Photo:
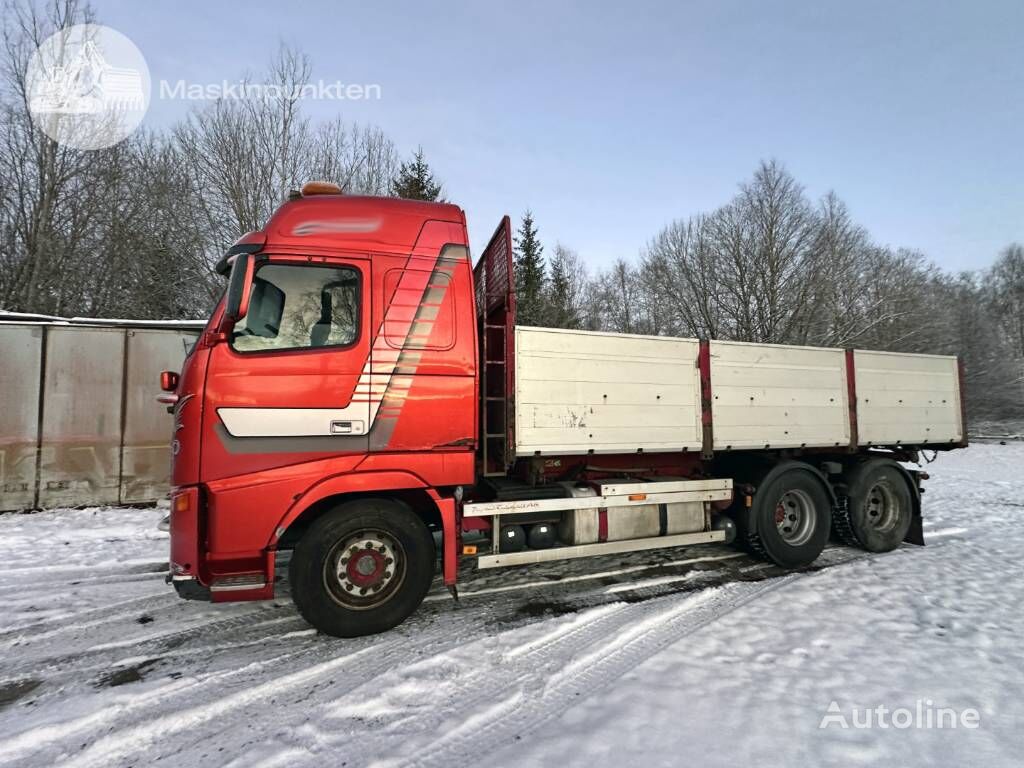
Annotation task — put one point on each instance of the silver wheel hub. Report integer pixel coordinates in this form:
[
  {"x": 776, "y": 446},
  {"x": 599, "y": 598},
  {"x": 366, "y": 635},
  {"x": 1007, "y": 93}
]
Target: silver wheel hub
[
  {"x": 881, "y": 507},
  {"x": 795, "y": 517}
]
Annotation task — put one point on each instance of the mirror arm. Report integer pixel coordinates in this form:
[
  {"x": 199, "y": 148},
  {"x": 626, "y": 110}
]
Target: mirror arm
[{"x": 220, "y": 336}]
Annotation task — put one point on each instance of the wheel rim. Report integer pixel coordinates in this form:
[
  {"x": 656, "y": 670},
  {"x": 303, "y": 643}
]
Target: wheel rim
[
  {"x": 365, "y": 569},
  {"x": 881, "y": 508},
  {"x": 795, "y": 517}
]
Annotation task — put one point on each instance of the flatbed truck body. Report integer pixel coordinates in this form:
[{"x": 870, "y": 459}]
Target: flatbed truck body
[{"x": 362, "y": 394}]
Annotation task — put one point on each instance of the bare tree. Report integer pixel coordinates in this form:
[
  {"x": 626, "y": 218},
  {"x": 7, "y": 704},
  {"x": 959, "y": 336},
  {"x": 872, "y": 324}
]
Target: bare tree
[
  {"x": 681, "y": 269},
  {"x": 244, "y": 156},
  {"x": 769, "y": 266},
  {"x": 1005, "y": 283},
  {"x": 750, "y": 270},
  {"x": 361, "y": 159},
  {"x": 778, "y": 258},
  {"x": 617, "y": 295},
  {"x": 43, "y": 208}
]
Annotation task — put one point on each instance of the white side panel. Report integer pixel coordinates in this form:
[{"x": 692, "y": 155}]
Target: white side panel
[
  {"x": 294, "y": 422},
  {"x": 579, "y": 391},
  {"x": 766, "y": 395},
  {"x": 907, "y": 399}
]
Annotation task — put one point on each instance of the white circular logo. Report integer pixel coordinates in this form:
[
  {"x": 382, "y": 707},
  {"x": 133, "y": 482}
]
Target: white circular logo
[{"x": 88, "y": 86}]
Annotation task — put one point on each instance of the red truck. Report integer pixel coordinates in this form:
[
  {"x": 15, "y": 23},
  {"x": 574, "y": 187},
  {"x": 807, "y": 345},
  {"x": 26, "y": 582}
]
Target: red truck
[{"x": 362, "y": 392}]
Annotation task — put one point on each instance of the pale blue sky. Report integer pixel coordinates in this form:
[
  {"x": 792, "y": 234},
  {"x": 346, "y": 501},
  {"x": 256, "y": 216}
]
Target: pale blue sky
[{"x": 611, "y": 119}]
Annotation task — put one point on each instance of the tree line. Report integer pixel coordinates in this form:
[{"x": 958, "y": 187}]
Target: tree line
[{"x": 133, "y": 231}]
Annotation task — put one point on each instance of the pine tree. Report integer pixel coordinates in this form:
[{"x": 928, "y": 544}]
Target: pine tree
[
  {"x": 563, "y": 289},
  {"x": 415, "y": 181},
  {"x": 530, "y": 278}
]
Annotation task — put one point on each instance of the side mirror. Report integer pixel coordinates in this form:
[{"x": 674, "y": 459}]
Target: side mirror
[{"x": 236, "y": 304}]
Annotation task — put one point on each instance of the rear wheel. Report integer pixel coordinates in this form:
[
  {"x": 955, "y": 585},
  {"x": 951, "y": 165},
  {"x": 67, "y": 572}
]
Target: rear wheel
[
  {"x": 362, "y": 568},
  {"x": 879, "y": 506},
  {"x": 789, "y": 519}
]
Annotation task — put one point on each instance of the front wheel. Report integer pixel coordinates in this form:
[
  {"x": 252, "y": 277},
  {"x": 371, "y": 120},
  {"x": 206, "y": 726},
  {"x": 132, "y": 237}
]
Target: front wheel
[{"x": 362, "y": 568}]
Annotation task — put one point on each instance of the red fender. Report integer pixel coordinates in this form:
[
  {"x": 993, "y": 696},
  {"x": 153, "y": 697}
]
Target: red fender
[
  {"x": 379, "y": 483},
  {"x": 450, "y": 541}
]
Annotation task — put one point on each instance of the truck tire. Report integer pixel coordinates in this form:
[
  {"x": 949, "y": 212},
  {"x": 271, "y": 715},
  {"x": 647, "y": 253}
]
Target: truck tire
[
  {"x": 789, "y": 520},
  {"x": 879, "y": 507},
  {"x": 362, "y": 568}
]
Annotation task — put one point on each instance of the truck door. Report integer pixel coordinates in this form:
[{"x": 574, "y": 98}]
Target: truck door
[{"x": 292, "y": 383}]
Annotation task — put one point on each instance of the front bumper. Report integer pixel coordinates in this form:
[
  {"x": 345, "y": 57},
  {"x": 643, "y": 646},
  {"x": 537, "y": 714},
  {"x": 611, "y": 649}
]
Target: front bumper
[{"x": 189, "y": 589}]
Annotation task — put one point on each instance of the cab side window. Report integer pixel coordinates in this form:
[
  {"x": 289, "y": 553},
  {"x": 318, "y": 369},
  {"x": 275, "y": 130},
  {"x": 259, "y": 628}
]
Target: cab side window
[{"x": 298, "y": 306}]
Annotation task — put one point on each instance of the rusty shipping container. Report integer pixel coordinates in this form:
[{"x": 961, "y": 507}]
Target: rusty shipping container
[{"x": 79, "y": 424}]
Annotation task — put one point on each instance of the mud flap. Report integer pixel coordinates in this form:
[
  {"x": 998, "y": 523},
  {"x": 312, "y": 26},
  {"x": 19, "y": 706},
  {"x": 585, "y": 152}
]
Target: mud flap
[{"x": 915, "y": 534}]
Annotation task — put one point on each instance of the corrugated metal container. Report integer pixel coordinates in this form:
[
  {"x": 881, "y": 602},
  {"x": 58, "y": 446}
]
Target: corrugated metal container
[
  {"x": 146, "y": 454},
  {"x": 21, "y": 352},
  {"x": 82, "y": 379},
  {"x": 91, "y": 389}
]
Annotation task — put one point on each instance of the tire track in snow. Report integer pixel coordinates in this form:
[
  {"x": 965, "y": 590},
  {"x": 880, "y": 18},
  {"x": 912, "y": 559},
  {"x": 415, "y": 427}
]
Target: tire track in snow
[
  {"x": 43, "y": 589},
  {"x": 83, "y": 575},
  {"x": 594, "y": 623},
  {"x": 150, "y": 644},
  {"x": 172, "y": 707},
  {"x": 379, "y": 659},
  {"x": 108, "y": 613},
  {"x": 642, "y": 629},
  {"x": 587, "y": 674},
  {"x": 40, "y": 737},
  {"x": 483, "y": 674},
  {"x": 520, "y": 686},
  {"x": 151, "y": 716},
  {"x": 572, "y": 579},
  {"x": 369, "y": 662},
  {"x": 62, "y": 675}
]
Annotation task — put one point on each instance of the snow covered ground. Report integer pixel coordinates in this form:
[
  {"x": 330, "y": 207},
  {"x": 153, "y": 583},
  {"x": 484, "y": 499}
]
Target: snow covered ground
[{"x": 701, "y": 656}]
